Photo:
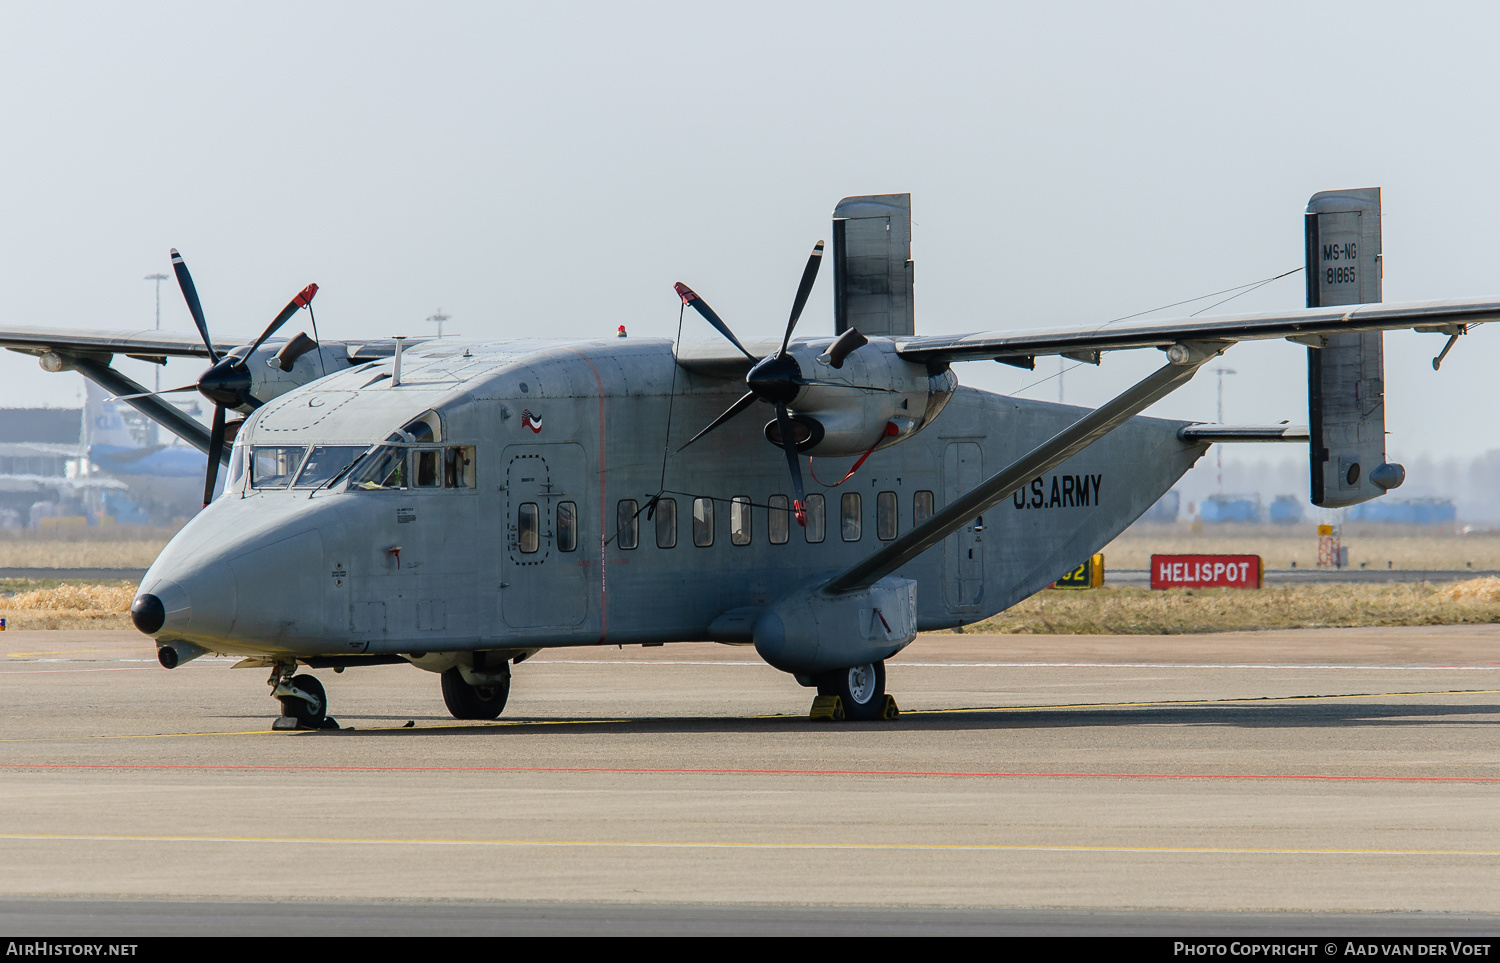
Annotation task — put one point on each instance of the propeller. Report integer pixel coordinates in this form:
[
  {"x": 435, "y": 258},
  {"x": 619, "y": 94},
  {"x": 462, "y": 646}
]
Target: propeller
[
  {"x": 227, "y": 383},
  {"x": 775, "y": 379}
]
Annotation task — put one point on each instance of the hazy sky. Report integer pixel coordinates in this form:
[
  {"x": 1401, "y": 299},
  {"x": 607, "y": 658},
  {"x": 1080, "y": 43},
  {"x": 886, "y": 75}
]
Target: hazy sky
[{"x": 537, "y": 170}]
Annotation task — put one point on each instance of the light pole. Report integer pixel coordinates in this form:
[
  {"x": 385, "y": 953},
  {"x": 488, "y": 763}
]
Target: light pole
[
  {"x": 1221, "y": 371},
  {"x": 158, "y": 278},
  {"x": 439, "y": 318}
]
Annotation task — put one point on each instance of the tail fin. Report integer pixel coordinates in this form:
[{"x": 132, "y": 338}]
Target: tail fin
[
  {"x": 1345, "y": 376},
  {"x": 104, "y": 421},
  {"x": 872, "y": 268}
]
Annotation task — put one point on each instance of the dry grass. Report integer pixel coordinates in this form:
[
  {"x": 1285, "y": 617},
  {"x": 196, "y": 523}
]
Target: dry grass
[
  {"x": 1375, "y": 546},
  {"x": 66, "y": 605},
  {"x": 1140, "y": 611},
  {"x": 111, "y": 547}
]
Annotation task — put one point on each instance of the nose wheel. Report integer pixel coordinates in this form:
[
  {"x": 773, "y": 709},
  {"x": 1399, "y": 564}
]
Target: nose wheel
[{"x": 304, "y": 705}]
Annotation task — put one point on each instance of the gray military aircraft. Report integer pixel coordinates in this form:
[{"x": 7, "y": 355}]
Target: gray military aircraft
[{"x": 461, "y": 505}]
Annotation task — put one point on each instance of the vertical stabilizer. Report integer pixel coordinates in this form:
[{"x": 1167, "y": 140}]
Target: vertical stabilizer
[
  {"x": 872, "y": 270},
  {"x": 103, "y": 420},
  {"x": 1346, "y": 376}
]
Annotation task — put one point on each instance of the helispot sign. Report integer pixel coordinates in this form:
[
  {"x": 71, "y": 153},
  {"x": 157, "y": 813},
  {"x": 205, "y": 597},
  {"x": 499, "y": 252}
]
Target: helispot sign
[{"x": 1206, "y": 571}]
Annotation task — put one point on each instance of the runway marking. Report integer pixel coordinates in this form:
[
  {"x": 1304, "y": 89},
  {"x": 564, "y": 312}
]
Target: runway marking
[
  {"x": 135, "y": 668},
  {"x": 684, "y": 771},
  {"x": 742, "y": 845}
]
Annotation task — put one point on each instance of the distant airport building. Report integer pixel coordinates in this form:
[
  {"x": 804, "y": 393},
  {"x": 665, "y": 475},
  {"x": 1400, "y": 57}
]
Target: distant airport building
[
  {"x": 1410, "y": 511},
  {"x": 1286, "y": 510},
  {"x": 1218, "y": 509}
]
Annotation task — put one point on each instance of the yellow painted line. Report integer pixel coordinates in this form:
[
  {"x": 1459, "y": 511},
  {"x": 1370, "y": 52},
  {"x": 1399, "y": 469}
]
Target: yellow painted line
[
  {"x": 307, "y": 732},
  {"x": 1243, "y": 700},
  {"x": 745, "y": 845}
]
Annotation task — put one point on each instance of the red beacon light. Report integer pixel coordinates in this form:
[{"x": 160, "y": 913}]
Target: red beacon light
[{"x": 621, "y": 332}]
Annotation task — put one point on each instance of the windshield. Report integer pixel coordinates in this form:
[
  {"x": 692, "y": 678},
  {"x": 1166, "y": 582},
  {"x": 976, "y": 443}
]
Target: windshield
[
  {"x": 325, "y": 462},
  {"x": 383, "y": 467},
  {"x": 273, "y": 467}
]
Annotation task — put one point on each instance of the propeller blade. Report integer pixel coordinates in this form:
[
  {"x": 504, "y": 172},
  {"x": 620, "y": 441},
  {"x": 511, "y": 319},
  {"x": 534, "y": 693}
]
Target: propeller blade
[
  {"x": 804, "y": 288},
  {"x": 745, "y": 401},
  {"x": 215, "y": 451},
  {"x": 848, "y": 342},
  {"x": 148, "y": 394},
  {"x": 292, "y": 307},
  {"x": 190, "y": 294},
  {"x": 689, "y": 296},
  {"x": 789, "y": 445}
]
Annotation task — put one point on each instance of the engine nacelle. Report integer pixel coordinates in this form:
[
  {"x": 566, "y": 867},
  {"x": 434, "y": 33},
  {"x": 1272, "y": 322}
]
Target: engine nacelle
[
  {"x": 301, "y": 354},
  {"x": 874, "y": 389}
]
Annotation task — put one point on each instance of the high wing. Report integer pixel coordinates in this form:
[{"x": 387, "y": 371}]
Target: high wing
[
  {"x": 146, "y": 345},
  {"x": 1303, "y": 325}
]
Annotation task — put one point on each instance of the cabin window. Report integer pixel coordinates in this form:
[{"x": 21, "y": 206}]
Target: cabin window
[
  {"x": 273, "y": 467},
  {"x": 567, "y": 526},
  {"x": 817, "y": 518},
  {"x": 849, "y": 517},
  {"x": 666, "y": 523},
  {"x": 921, "y": 507},
  {"x": 383, "y": 467},
  {"x": 528, "y": 528},
  {"x": 703, "y": 522},
  {"x": 739, "y": 520},
  {"x": 458, "y": 467},
  {"x": 779, "y": 520},
  {"x": 886, "y": 521},
  {"x": 326, "y": 462},
  {"x": 425, "y": 465},
  {"x": 627, "y": 523}
]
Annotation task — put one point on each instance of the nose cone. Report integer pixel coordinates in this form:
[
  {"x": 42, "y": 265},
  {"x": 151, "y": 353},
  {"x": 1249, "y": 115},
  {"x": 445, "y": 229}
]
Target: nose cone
[
  {"x": 148, "y": 614},
  {"x": 226, "y": 382}
]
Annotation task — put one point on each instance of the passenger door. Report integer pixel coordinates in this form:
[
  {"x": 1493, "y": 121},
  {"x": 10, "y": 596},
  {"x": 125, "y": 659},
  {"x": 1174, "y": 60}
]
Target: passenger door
[{"x": 545, "y": 566}]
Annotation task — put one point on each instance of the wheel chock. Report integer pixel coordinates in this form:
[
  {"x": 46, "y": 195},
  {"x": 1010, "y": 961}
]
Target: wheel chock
[
  {"x": 889, "y": 709},
  {"x": 827, "y": 708},
  {"x": 285, "y": 723}
]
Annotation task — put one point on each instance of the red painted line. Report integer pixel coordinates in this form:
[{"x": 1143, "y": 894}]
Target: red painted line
[{"x": 641, "y": 770}]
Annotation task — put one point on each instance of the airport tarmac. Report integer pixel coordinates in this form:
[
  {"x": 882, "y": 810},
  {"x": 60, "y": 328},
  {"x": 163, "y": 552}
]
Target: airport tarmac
[{"x": 1219, "y": 778}]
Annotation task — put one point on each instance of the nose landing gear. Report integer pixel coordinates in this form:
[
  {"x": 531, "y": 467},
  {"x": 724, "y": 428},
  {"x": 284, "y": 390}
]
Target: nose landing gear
[{"x": 303, "y": 702}]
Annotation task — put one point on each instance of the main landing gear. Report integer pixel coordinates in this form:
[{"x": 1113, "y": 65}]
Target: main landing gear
[
  {"x": 304, "y": 705},
  {"x": 478, "y": 692},
  {"x": 856, "y": 693}
]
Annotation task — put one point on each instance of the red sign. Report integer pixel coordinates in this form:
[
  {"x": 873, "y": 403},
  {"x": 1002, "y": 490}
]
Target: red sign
[{"x": 1205, "y": 571}]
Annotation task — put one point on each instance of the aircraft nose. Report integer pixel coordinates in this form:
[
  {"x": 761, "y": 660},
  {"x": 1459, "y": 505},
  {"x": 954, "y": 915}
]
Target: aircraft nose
[{"x": 148, "y": 614}]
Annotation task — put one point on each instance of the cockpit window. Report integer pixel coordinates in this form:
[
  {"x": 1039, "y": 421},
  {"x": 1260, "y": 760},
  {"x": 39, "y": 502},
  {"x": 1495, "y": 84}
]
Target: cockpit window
[
  {"x": 325, "y": 462},
  {"x": 274, "y": 466},
  {"x": 383, "y": 467}
]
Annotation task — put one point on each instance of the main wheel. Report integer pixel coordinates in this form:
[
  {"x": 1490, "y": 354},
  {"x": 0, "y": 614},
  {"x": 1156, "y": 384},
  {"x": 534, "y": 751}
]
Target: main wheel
[
  {"x": 473, "y": 701},
  {"x": 309, "y": 714},
  {"x": 861, "y": 688}
]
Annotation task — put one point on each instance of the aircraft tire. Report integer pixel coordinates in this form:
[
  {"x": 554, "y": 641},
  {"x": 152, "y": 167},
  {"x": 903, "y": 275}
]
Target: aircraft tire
[
  {"x": 861, "y": 688},
  {"x": 300, "y": 709},
  {"x": 466, "y": 701}
]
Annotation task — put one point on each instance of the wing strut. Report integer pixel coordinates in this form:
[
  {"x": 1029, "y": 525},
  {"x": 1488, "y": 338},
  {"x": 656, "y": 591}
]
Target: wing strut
[
  {"x": 146, "y": 403},
  {"x": 1049, "y": 454}
]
